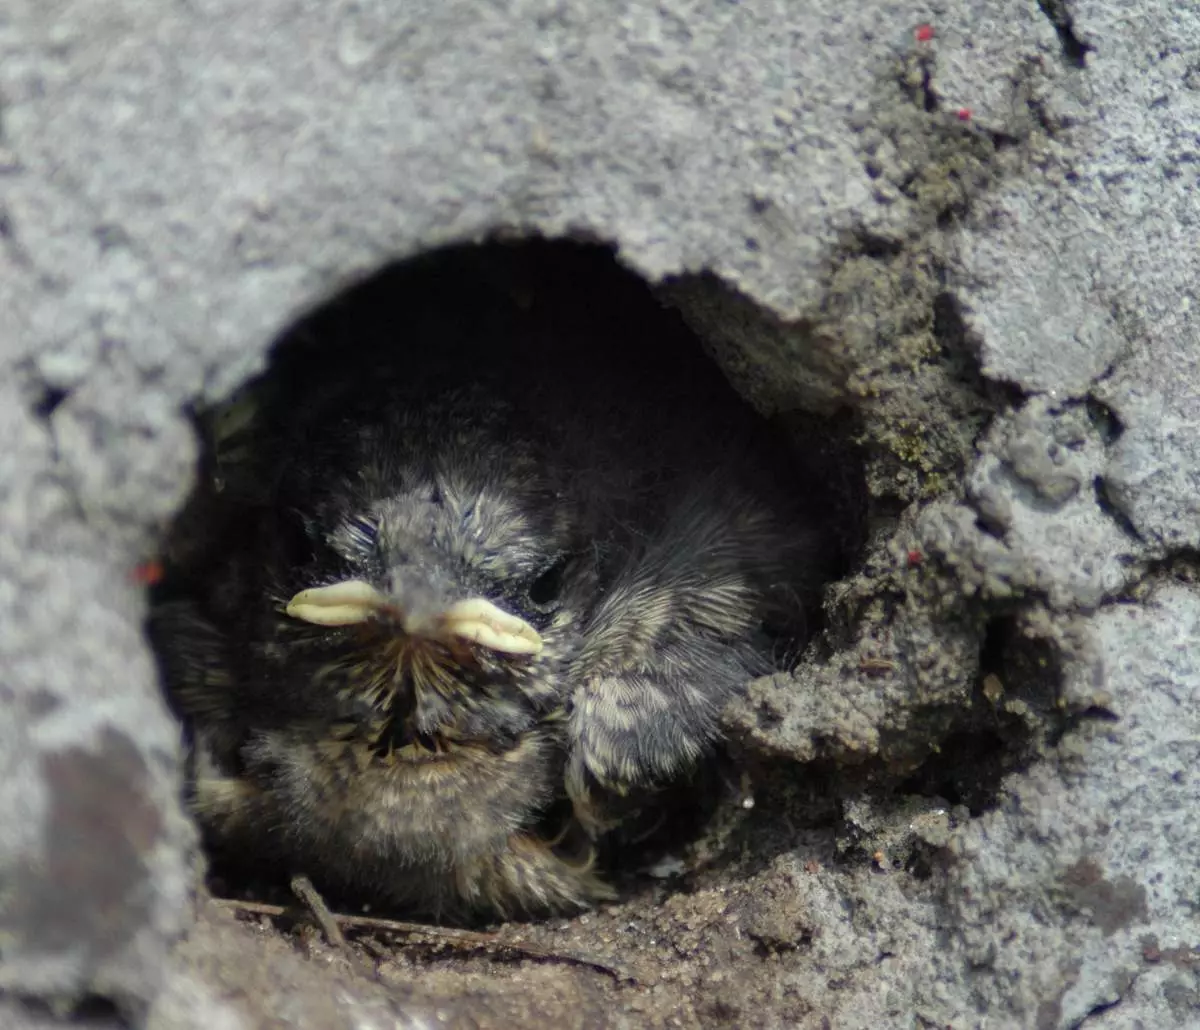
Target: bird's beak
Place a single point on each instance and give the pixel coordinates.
(475, 620)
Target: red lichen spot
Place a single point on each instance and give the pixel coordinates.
(148, 573)
(924, 33)
(915, 557)
(963, 114)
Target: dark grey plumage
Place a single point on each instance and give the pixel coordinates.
(558, 557)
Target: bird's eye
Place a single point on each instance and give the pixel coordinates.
(354, 537)
(545, 590)
(361, 531)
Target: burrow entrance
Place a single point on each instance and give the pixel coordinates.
(563, 333)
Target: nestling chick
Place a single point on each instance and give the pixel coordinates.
(516, 570)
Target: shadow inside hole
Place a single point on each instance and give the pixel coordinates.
(91, 1012)
(561, 326)
(869, 813)
(1013, 717)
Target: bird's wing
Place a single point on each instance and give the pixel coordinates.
(677, 634)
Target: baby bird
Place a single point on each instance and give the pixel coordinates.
(470, 602)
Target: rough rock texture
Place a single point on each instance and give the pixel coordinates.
(977, 797)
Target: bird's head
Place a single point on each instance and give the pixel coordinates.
(443, 599)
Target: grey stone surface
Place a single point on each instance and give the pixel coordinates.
(178, 182)
(95, 852)
(1034, 485)
(1089, 270)
(1095, 842)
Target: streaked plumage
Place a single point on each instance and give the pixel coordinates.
(464, 598)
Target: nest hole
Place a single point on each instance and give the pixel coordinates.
(527, 316)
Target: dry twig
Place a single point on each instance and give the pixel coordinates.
(467, 940)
